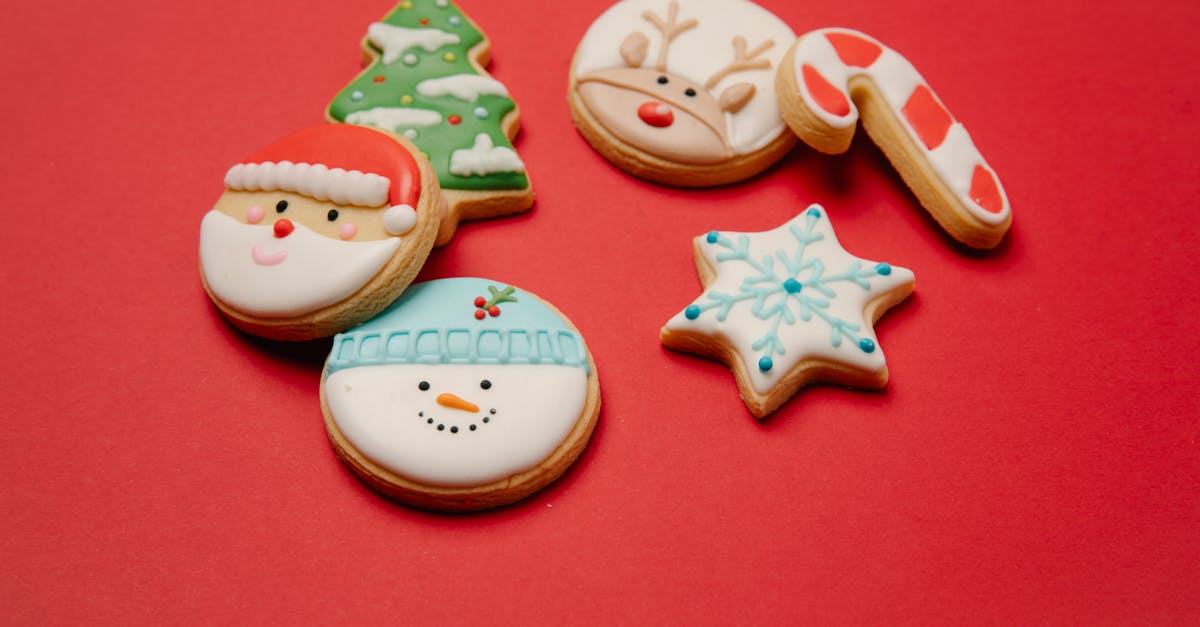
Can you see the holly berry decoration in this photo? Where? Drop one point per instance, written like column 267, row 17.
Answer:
column 491, row 307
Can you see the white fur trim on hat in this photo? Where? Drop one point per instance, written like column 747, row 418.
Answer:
column 315, row 181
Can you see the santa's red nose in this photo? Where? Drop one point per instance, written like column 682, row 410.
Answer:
column 284, row 227
column 656, row 114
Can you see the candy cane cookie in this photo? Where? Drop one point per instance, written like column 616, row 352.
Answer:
column 831, row 75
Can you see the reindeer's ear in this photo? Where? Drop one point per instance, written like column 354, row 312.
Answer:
column 634, row 48
column 735, row 97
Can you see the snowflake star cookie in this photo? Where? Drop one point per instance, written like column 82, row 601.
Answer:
column 318, row 231
column 787, row 307
column 465, row 394
column 425, row 80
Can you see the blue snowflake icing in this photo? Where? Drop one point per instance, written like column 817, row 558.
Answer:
column 787, row 287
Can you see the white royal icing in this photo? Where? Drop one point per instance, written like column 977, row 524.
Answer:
column 395, row 119
column 313, row 180
column 383, row 413
column 466, row 87
column 954, row 160
column 700, row 52
column 309, row 271
column 751, row 269
column 484, row 157
column 395, row 40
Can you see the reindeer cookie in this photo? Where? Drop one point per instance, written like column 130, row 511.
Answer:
column 682, row 92
column 318, row 231
column 831, row 75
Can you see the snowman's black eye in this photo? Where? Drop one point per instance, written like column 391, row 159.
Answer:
column 281, row 206
column 662, row 80
column 424, row 385
column 689, row 92
column 332, row 215
column 485, row 384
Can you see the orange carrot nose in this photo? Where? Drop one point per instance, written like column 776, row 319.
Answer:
column 454, row 402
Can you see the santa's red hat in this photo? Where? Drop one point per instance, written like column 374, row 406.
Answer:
column 342, row 163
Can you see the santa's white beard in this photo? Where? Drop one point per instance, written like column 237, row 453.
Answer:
column 307, row 270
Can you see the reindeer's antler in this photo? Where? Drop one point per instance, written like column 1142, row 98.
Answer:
column 670, row 29
column 742, row 60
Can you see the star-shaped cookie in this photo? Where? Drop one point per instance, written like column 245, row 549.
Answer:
column 787, row 307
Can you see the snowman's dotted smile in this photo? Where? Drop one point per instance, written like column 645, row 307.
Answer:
column 453, row 401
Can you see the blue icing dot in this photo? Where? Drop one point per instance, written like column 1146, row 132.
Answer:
column 814, row 212
column 455, row 20
column 356, row 95
column 765, row 364
column 481, row 113
column 692, row 312
column 866, row 345
column 883, row 268
column 711, row 238
column 792, row 286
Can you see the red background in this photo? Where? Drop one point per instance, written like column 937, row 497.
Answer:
column 1036, row 456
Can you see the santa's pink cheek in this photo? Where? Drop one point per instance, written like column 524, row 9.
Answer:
column 254, row 214
column 347, row 230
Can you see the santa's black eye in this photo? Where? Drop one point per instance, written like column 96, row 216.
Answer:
column 662, row 80
column 485, row 384
column 689, row 92
column 424, row 385
column 281, row 206
column 332, row 215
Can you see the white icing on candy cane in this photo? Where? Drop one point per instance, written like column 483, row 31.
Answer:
column 827, row 59
column 699, row 52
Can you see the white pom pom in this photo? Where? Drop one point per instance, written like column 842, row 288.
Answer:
column 399, row 219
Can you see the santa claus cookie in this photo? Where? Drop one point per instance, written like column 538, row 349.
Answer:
column 831, row 75
column 318, row 232
column 465, row 394
column 425, row 80
column 682, row 91
column 787, row 307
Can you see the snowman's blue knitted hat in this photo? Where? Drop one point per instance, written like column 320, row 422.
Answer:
column 461, row 321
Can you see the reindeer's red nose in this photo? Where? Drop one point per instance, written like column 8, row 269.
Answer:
column 656, row 114
column 284, row 227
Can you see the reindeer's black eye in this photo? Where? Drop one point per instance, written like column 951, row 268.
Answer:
column 662, row 80
column 281, row 206
column 485, row 384
column 332, row 215
column 689, row 92
column 424, row 385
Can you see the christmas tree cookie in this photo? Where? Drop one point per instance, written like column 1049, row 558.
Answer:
column 425, row 80
column 787, row 307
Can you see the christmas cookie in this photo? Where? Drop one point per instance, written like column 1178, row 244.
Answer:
column 682, row 92
column 465, row 394
column 318, row 231
column 787, row 307
column 831, row 75
column 425, row 80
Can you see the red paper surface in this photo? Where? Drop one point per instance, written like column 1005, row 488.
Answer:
column 1035, row 457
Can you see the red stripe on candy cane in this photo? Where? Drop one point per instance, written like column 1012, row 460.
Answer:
column 928, row 117
column 985, row 190
column 854, row 50
column 826, row 96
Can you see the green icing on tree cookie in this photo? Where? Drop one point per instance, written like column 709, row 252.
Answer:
column 423, row 86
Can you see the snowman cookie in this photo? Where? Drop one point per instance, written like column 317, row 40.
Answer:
column 465, row 394
column 425, row 80
column 787, row 307
column 682, row 92
column 318, row 232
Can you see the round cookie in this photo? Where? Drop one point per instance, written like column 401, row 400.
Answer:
column 318, row 232
column 682, row 92
column 830, row 76
column 465, row 394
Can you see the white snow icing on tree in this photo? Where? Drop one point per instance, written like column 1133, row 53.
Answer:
column 485, row 158
column 394, row 40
